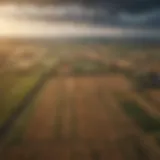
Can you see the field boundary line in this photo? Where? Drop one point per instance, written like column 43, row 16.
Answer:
column 6, row 127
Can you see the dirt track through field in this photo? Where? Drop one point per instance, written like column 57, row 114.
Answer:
column 41, row 124
column 78, row 118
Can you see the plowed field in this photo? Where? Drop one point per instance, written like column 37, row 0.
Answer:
column 80, row 118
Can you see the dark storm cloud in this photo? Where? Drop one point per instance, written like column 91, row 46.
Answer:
column 147, row 19
column 109, row 19
column 126, row 5
column 114, row 6
column 122, row 13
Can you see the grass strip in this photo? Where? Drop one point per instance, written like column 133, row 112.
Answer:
column 24, row 103
column 17, row 93
column 145, row 121
column 16, row 135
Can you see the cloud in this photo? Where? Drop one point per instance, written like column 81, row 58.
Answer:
column 26, row 28
column 112, row 5
column 36, row 20
column 78, row 13
column 127, row 5
column 50, row 10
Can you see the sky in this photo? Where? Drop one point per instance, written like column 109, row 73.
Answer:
column 107, row 18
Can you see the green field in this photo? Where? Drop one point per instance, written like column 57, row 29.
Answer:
column 13, row 89
column 145, row 121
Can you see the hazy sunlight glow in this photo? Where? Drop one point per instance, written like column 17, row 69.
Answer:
column 12, row 26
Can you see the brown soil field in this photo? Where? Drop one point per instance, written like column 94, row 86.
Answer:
column 79, row 118
column 40, row 125
column 154, row 97
column 155, row 94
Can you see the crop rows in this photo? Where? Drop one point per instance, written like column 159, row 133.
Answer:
column 79, row 118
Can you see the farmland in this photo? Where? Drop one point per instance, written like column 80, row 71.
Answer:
column 21, row 68
column 85, row 112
